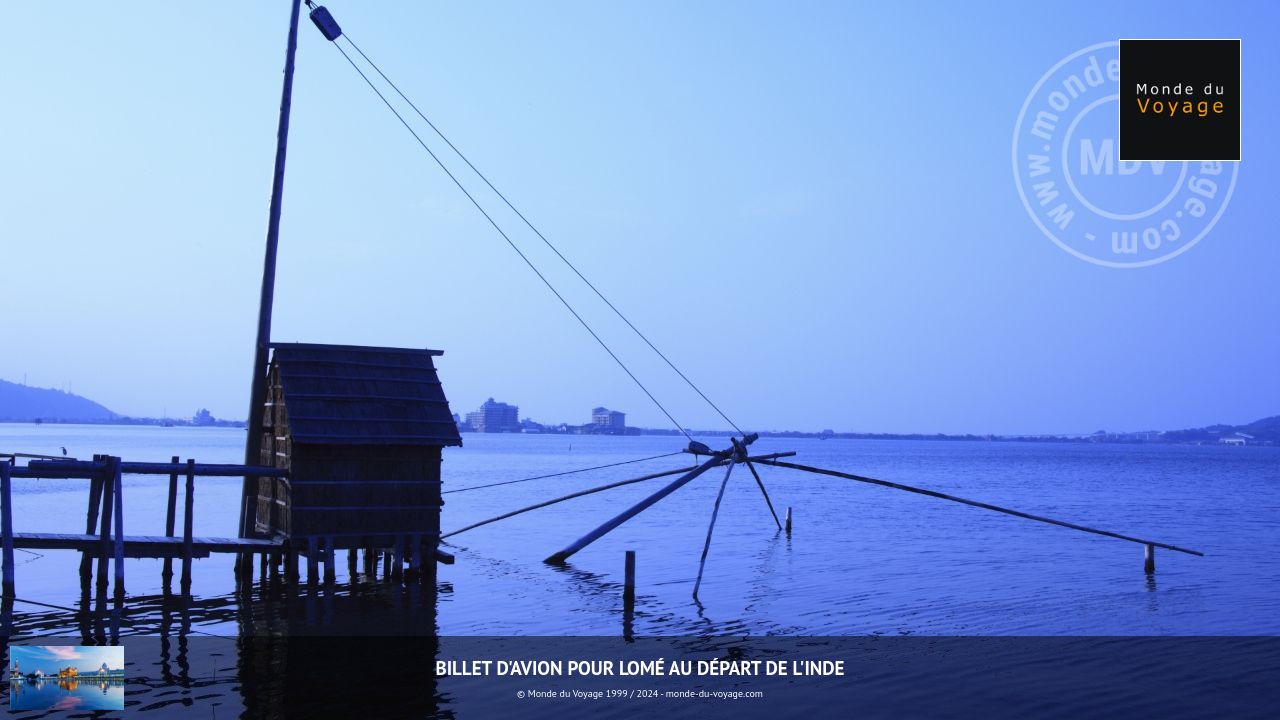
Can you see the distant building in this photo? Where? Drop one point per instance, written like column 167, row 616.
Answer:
column 607, row 422
column 495, row 417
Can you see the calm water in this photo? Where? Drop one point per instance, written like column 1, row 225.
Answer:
column 862, row 560
column 66, row 696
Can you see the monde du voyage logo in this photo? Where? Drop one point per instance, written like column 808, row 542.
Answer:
column 1128, row 165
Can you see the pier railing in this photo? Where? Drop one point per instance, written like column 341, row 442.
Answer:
column 104, row 536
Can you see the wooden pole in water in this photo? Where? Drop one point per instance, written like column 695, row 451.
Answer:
column 117, row 483
column 1149, row 559
column 629, row 583
column 188, row 525
column 415, row 557
column 788, row 521
column 6, row 528
column 170, row 518
column 330, row 560
column 91, row 520
column 715, row 511
column 104, row 534
column 634, row 510
column 351, row 564
column 262, row 345
column 313, row 574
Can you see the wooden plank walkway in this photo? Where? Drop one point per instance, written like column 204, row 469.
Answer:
column 145, row 546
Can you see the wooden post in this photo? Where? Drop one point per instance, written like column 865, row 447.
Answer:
column 262, row 566
column 171, row 518
column 91, row 520
column 351, row 564
column 629, row 583
column 117, row 483
column 104, row 534
column 1149, row 560
column 6, row 527
column 415, row 557
column 313, row 574
column 386, row 565
column 188, row 522
column 760, row 484
column 261, row 348
column 397, row 560
column 291, row 565
column 370, row 561
column 788, row 521
column 330, row 559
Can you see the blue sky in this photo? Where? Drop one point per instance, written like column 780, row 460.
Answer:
column 51, row 658
column 809, row 206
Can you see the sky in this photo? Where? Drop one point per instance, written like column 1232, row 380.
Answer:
column 809, row 207
column 51, row 658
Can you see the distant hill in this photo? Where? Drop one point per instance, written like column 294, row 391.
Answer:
column 21, row 403
column 1265, row 430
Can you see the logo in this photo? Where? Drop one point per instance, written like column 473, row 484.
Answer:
column 1082, row 196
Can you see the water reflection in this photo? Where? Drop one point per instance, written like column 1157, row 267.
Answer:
column 271, row 648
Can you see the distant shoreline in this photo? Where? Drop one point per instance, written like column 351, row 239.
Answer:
column 1213, row 435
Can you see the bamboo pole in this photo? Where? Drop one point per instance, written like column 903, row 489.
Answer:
column 590, row 491
column 634, row 510
column 261, row 347
column 570, row 496
column 975, row 503
column 715, row 511
column 764, row 492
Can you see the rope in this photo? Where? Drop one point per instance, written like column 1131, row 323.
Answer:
column 567, row 472
column 512, row 244
column 542, row 237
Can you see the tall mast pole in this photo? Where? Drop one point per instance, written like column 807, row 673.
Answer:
column 261, row 348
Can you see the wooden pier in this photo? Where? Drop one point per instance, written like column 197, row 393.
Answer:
column 104, row 538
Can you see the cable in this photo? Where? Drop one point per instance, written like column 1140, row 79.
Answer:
column 527, row 261
column 567, row 472
column 540, row 235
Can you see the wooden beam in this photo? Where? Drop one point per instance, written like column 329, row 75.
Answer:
column 715, row 511
column 975, row 503
column 609, row 525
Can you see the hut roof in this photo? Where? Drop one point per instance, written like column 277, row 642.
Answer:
column 355, row 395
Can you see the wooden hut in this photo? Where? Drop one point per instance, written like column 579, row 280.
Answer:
column 360, row 430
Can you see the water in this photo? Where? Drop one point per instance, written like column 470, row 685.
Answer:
column 862, row 560
column 869, row 565
column 69, row 696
